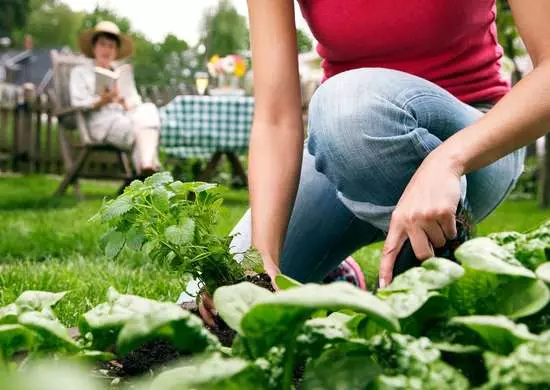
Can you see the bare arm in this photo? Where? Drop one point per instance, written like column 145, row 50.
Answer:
column 425, row 212
column 277, row 132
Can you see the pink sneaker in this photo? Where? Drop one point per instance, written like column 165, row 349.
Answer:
column 348, row 271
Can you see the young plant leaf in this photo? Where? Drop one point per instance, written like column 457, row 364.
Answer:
column 525, row 368
column 93, row 356
column 408, row 362
column 406, row 304
column 252, row 261
column 531, row 252
column 483, row 254
column 434, row 274
column 15, row 338
column 499, row 333
column 317, row 333
column 114, row 242
column 168, row 322
column 181, row 234
column 116, row 207
column 38, row 300
column 54, row 335
column 159, row 179
column 269, row 320
column 9, row 314
column 212, row 373
column 107, row 319
column 285, row 283
column 339, row 368
column 233, row 302
column 543, row 272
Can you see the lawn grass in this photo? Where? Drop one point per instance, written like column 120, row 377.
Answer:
column 50, row 244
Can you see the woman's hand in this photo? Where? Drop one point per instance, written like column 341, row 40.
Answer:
column 425, row 214
column 106, row 98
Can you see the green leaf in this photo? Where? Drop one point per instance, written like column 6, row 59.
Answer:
column 499, row 333
column 15, row 338
column 269, row 320
column 495, row 283
column 531, row 252
column 93, row 356
column 252, row 261
column 406, row 304
column 285, row 283
column 317, row 333
column 543, row 272
column 338, row 369
column 503, row 238
column 457, row 348
column 114, row 242
column 160, row 197
column 38, row 300
column 116, row 207
column 410, row 363
column 211, row 373
column 107, row 319
column 434, row 274
column 524, row 297
column 202, row 187
column 134, row 238
column 483, row 254
column 233, row 302
column 9, row 314
column 526, row 367
column 168, row 322
column 159, row 179
column 181, row 234
column 52, row 332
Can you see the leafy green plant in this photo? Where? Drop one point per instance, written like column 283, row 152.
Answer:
column 173, row 223
column 129, row 321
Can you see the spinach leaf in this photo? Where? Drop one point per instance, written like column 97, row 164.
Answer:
column 499, row 333
column 269, row 320
column 212, row 373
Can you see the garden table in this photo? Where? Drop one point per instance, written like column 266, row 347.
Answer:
column 196, row 126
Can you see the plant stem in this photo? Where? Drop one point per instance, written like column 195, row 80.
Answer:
column 4, row 364
column 289, row 363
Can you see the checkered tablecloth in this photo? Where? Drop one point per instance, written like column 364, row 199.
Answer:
column 198, row 126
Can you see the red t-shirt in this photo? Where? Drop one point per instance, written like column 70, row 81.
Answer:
column 452, row 43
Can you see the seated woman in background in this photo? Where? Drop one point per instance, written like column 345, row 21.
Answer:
column 117, row 116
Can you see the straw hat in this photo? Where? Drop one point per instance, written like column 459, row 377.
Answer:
column 85, row 41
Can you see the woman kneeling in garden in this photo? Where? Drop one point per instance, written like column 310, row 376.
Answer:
column 412, row 125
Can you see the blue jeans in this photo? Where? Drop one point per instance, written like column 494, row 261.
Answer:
column 369, row 130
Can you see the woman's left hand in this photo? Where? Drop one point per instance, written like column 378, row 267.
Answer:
column 425, row 214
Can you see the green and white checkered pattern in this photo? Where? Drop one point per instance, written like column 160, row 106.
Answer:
column 198, row 126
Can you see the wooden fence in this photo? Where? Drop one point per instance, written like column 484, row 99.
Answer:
column 28, row 131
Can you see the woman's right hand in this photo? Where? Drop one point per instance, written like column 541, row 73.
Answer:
column 106, row 98
column 207, row 310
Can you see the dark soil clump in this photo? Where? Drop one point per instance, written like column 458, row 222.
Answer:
column 159, row 353
column 261, row 280
column 149, row 356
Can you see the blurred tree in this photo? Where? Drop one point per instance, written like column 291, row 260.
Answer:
column 51, row 23
column 224, row 31
column 508, row 35
column 100, row 13
column 304, row 42
column 13, row 16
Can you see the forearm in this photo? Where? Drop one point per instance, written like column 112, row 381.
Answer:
column 518, row 119
column 275, row 159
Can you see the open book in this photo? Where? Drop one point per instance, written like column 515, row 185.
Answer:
column 123, row 76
